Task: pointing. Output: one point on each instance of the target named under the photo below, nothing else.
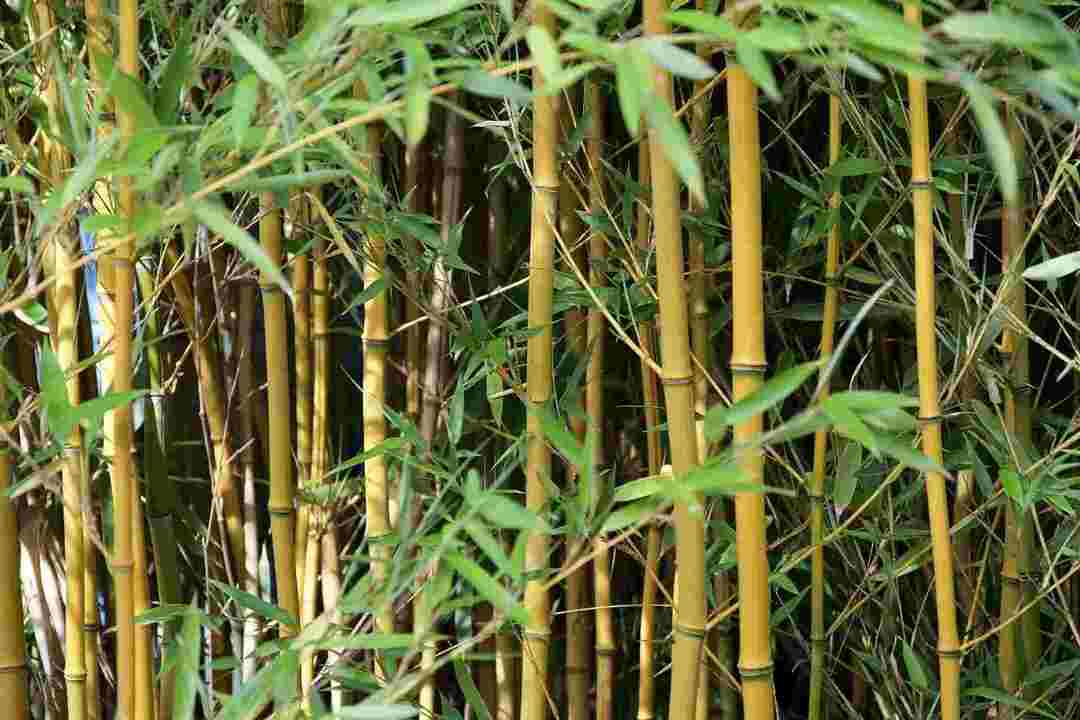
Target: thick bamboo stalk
(578, 680)
(545, 195)
(926, 347)
(123, 476)
(1020, 644)
(748, 366)
(14, 679)
(651, 402)
(821, 442)
(678, 374)
(277, 376)
(594, 403)
(376, 340)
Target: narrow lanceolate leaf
(544, 51)
(259, 61)
(487, 84)
(405, 12)
(1010, 29)
(245, 98)
(1054, 268)
(505, 513)
(488, 587)
(916, 667)
(377, 712)
(996, 140)
(702, 22)
(757, 66)
(676, 60)
(676, 144)
(256, 604)
(218, 222)
(771, 394)
(472, 694)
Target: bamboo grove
(529, 359)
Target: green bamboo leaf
(628, 89)
(544, 52)
(757, 66)
(996, 140)
(505, 513)
(17, 184)
(456, 417)
(676, 60)
(778, 35)
(876, 24)
(406, 12)
(218, 222)
(256, 605)
(632, 514)
(259, 61)
(641, 488)
(1000, 696)
(847, 477)
(854, 167)
(769, 395)
(376, 711)
(1012, 484)
(491, 547)
(907, 455)
(245, 98)
(487, 586)
(283, 183)
(849, 424)
(367, 641)
(676, 145)
(487, 84)
(369, 292)
(706, 23)
(174, 76)
(187, 653)
(472, 694)
(1005, 28)
(917, 671)
(130, 95)
(1054, 268)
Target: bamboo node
(818, 639)
(758, 671)
(698, 633)
(932, 419)
(377, 343)
(279, 511)
(683, 380)
(576, 670)
(607, 652)
(950, 652)
(268, 288)
(91, 627)
(75, 677)
(816, 498)
(17, 667)
(541, 635)
(834, 281)
(758, 368)
(924, 184)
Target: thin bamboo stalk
(245, 387)
(1020, 644)
(545, 196)
(578, 681)
(926, 348)
(376, 340)
(301, 282)
(748, 366)
(14, 679)
(821, 441)
(594, 403)
(145, 689)
(651, 401)
(123, 476)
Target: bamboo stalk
(245, 387)
(651, 401)
(926, 345)
(821, 440)
(376, 340)
(145, 690)
(748, 365)
(123, 476)
(578, 681)
(545, 196)
(13, 682)
(1020, 644)
(594, 403)
(689, 621)
(277, 376)
(301, 282)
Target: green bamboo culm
(1019, 643)
(748, 369)
(678, 375)
(821, 440)
(545, 195)
(926, 349)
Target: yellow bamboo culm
(376, 340)
(14, 678)
(678, 377)
(62, 304)
(926, 348)
(123, 476)
(545, 195)
(748, 366)
(821, 441)
(594, 402)
(651, 400)
(578, 680)
(1019, 644)
(282, 490)
(301, 282)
